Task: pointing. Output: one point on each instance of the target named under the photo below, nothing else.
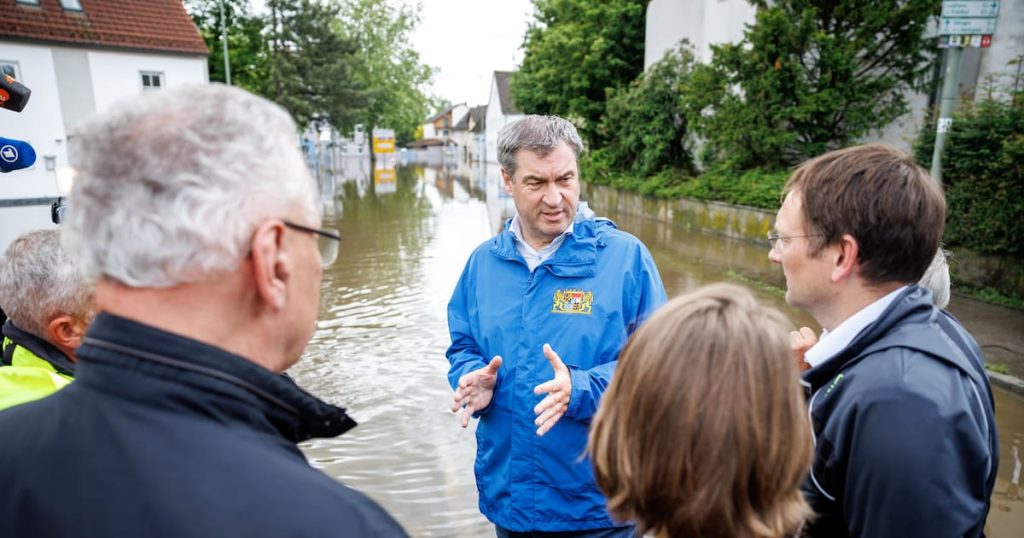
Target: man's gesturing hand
(559, 389)
(800, 341)
(475, 390)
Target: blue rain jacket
(905, 435)
(585, 301)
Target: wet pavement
(379, 346)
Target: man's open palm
(476, 390)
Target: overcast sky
(467, 40)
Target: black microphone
(15, 155)
(13, 94)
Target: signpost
(964, 23)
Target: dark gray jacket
(161, 435)
(904, 429)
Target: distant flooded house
(79, 58)
(501, 111)
(466, 133)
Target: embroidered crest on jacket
(572, 301)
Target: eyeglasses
(327, 241)
(774, 238)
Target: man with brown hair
(905, 440)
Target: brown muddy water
(379, 345)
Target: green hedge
(983, 174)
(755, 188)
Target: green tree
(810, 76)
(312, 68)
(387, 66)
(645, 122)
(983, 172)
(247, 49)
(576, 51)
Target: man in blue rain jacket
(557, 282)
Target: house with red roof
(80, 57)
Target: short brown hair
(703, 431)
(878, 195)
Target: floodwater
(380, 342)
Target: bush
(644, 124)
(983, 173)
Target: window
(29, 2)
(9, 68)
(152, 80)
(71, 5)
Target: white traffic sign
(975, 8)
(957, 26)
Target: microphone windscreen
(15, 155)
(13, 94)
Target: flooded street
(380, 342)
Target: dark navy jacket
(161, 435)
(905, 437)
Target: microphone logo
(9, 153)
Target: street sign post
(970, 9)
(964, 23)
(965, 26)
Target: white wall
(116, 75)
(701, 22)
(1007, 43)
(40, 123)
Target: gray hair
(936, 279)
(170, 186)
(38, 280)
(538, 134)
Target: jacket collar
(577, 257)
(910, 321)
(38, 347)
(209, 372)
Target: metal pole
(224, 41)
(950, 82)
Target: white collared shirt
(533, 257)
(837, 339)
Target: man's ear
(844, 261)
(506, 181)
(66, 332)
(270, 269)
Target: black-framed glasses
(327, 241)
(774, 238)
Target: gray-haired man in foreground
(194, 211)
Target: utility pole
(950, 82)
(964, 23)
(224, 40)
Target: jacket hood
(209, 375)
(577, 257)
(910, 312)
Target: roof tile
(159, 25)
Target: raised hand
(800, 341)
(558, 390)
(476, 390)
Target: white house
(501, 111)
(80, 57)
(708, 22)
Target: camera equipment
(13, 94)
(15, 155)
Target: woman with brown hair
(704, 430)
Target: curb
(1010, 383)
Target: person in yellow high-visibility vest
(49, 305)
